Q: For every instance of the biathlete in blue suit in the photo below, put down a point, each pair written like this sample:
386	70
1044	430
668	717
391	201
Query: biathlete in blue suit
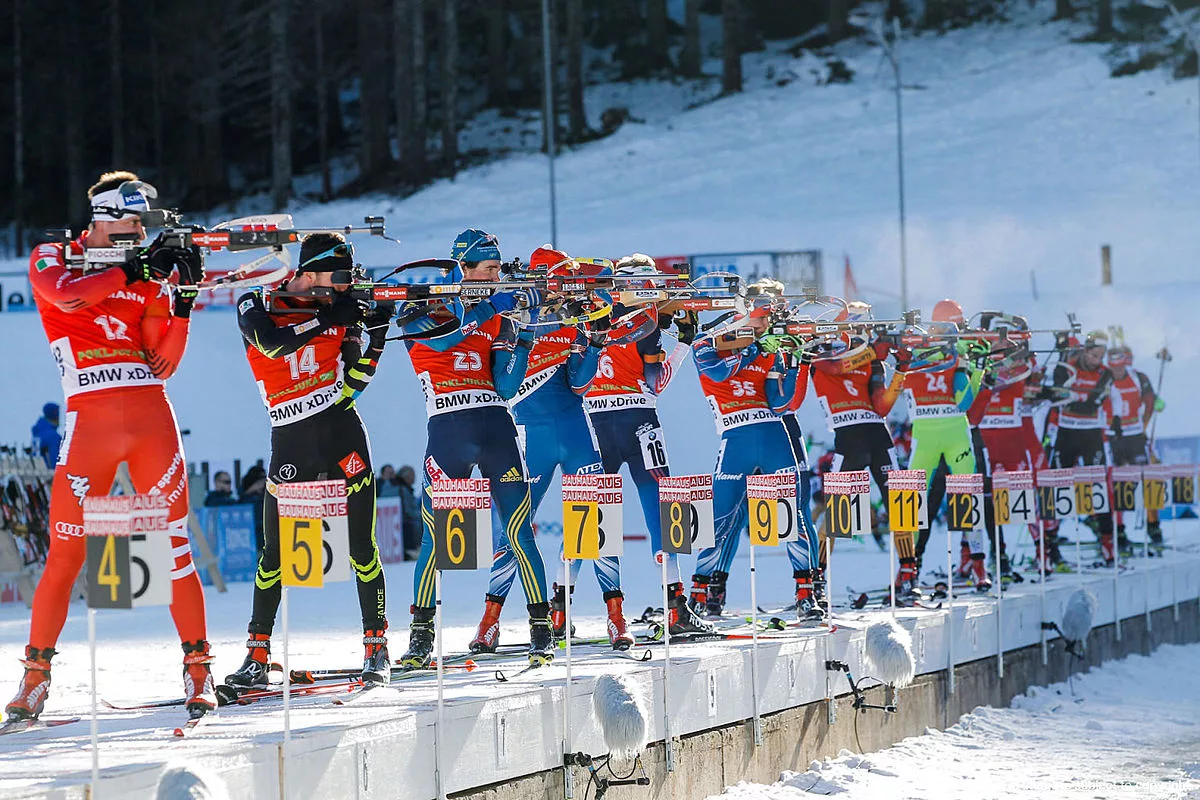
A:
555	432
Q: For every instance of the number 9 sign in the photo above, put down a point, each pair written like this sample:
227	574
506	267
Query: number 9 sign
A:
762	495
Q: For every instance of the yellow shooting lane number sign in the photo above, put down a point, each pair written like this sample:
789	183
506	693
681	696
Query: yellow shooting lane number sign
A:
592	525
1013	497
906	500
762	497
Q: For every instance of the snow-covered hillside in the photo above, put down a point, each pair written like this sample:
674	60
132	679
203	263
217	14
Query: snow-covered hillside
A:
1022	157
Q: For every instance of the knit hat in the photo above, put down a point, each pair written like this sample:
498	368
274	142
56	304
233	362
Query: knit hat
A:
325	252
473	245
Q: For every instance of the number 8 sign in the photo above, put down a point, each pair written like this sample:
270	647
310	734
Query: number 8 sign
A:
462	524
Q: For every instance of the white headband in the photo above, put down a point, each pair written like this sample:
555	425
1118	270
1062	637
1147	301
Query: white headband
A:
130	198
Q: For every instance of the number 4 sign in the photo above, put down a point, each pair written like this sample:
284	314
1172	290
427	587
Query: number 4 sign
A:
128	545
462	524
848	509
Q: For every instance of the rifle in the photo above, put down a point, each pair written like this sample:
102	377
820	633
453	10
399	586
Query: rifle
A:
273	232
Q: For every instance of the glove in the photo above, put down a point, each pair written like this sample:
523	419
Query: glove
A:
597	331
190	265
344	311
518	298
686	325
376	322
771	343
137	269
1159	404
972	349
184	299
989	379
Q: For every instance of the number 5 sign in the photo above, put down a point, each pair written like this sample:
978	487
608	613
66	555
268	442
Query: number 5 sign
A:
462	524
128	551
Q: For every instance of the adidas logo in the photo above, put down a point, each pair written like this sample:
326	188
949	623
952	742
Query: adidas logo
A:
512	476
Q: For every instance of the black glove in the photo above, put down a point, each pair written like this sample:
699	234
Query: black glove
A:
686	325
191	266
344	311
184	298
376	322
597	331
148	264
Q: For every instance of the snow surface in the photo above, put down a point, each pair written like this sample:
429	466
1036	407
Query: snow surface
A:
1128	729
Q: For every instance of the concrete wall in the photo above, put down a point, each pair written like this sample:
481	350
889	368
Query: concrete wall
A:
708	761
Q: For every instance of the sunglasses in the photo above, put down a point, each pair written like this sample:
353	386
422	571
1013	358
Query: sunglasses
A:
342	250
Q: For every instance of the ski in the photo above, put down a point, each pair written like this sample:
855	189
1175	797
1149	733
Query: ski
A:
501	676
863	600
775	612
23	725
307	677
192	725
229	696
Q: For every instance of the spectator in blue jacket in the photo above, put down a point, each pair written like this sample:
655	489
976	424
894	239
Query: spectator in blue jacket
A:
46	438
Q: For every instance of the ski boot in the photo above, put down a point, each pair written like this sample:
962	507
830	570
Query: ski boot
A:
377	667
1124	545
807	609
682	620
1106	549
698	599
818	580
618	633
1008	575
420	639
252	674
983	581
908	590
35	685
487	637
964	562
198	688
558	613
715	604
1154	531
541	635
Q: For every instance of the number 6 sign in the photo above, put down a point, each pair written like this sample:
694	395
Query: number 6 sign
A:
462	524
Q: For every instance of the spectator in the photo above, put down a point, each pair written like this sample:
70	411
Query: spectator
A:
387	485
222	492
46	438
410	509
253	490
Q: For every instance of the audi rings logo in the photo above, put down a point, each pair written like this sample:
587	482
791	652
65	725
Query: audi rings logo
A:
67	529
287	472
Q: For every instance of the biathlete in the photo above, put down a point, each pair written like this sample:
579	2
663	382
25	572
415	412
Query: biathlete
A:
468	376
310	368
555	432
747	388
621	405
117	334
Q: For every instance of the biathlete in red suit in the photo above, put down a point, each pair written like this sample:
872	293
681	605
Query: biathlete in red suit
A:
117	334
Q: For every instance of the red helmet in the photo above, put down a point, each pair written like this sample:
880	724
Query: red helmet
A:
948	311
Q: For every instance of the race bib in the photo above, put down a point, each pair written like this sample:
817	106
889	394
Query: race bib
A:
654	448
